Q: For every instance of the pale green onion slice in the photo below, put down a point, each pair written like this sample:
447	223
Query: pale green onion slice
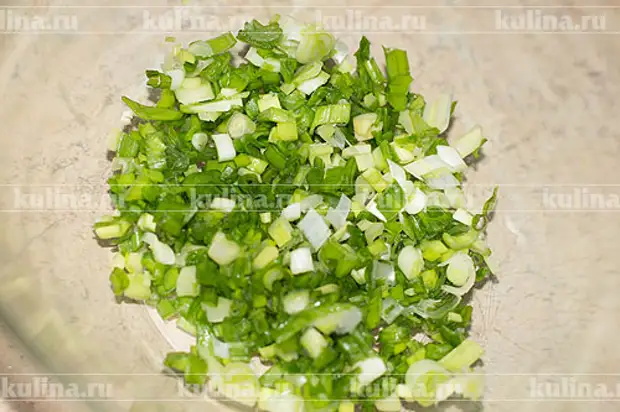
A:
313	342
186	282
469	142
437	114
219	312
463	356
222	250
292	212
161	251
426	165
370	369
200	140
265	257
315	229
224	145
239	125
281	231
365	124
301	261
452	158
463	216
338	216
296	301
410	261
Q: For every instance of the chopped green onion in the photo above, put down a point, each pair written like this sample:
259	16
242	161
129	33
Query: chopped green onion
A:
315	45
309	86
281	231
469	142
399	78
186	282
152	113
314	229
265	257
286	131
189	94
438	113
161	251
217	313
267	101
369	370
296	301
292	212
452	158
239	125
213	46
463	356
213	107
222	250
301	261
364	126
383	246
376	180
199	141
332	114
112	230
338	216
224	146
139	287
410	261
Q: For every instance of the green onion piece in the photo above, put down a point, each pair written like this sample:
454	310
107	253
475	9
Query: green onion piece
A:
307	72
463	356
301	261
177	361
286	131
315	45
217	313
222	250
469	142
189	94
309	86
210	111
112	230
265	257
275	157
186	282
119	281
399	78
438	113
239	125
410	261
271	400
313	342
424	379
224	146
433	250
332	114
276	114
195	370
152	113
281	231
162	252
365	124
213	46
262	36
139	287
296	301
267	101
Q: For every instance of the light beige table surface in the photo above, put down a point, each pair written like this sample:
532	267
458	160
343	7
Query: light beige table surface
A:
548	103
